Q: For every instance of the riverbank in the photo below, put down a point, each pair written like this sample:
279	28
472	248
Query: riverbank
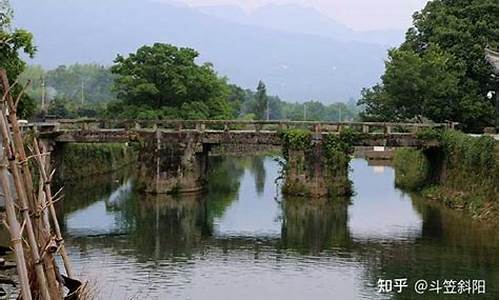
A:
461	173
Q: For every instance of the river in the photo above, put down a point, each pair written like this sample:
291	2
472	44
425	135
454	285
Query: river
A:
242	240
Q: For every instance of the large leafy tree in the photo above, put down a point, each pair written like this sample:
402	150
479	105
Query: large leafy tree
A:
415	86
440	71
164	76
12	42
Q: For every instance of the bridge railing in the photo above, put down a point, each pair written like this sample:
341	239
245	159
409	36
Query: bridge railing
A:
247	125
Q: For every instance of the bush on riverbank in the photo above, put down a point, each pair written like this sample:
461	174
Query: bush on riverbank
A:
470	172
467	172
412	168
85	159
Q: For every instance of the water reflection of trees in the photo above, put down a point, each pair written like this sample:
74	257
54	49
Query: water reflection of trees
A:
159	227
311	226
223	184
86	191
162	225
259	172
451	246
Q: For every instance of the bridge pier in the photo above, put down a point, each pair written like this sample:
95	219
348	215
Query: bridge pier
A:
173	164
316	170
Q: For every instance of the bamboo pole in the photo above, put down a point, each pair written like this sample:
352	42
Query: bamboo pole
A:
15	233
50	204
41	229
9	153
18	139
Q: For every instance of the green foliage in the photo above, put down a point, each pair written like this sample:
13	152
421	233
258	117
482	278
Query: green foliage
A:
296	139
164	76
261	101
61	107
314	110
412	168
429	134
94	81
12	43
471	166
414	86
317	111
440	71
296	144
246	102
64	87
336	151
468	171
339	144
86	159
65	82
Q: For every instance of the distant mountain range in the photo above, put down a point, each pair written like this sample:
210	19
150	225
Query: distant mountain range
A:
299	53
304	20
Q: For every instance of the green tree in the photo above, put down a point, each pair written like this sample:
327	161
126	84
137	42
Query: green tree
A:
12	42
61	108
440	71
261	101
163	75
415	86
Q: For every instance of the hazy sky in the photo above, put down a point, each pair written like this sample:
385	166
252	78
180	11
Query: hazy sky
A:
356	14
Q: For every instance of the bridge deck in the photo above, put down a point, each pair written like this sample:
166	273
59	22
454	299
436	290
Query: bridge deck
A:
228	131
223	137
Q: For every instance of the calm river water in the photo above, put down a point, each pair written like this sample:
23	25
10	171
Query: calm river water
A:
242	240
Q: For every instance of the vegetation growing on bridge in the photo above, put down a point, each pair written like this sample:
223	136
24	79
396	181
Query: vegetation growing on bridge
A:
338	150
84	159
303	155
295	141
467	172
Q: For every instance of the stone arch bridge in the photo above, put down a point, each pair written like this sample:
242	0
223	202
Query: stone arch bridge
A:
173	153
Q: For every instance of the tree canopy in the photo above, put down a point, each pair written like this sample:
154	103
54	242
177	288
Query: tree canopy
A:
440	71
12	42
166	78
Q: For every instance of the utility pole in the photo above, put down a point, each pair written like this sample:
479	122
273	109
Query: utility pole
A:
340	112
268	111
43	91
305	111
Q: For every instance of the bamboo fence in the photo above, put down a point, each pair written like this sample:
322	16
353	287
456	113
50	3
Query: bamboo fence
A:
32	223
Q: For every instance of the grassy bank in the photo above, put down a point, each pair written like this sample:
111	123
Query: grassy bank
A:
86	159
461	173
